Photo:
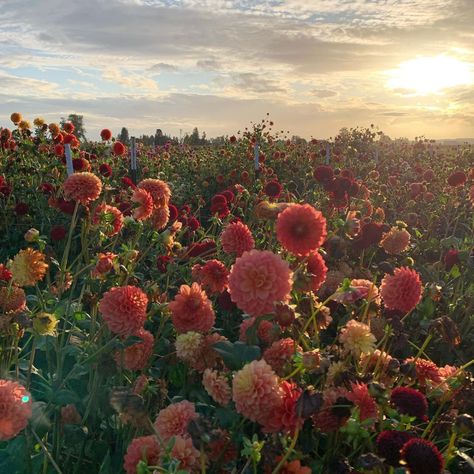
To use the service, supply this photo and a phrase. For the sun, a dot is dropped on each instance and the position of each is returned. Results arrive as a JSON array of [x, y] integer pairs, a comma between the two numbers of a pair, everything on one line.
[[430, 75]]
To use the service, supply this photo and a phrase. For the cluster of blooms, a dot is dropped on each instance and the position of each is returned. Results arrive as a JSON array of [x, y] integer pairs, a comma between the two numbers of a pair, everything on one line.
[[237, 325]]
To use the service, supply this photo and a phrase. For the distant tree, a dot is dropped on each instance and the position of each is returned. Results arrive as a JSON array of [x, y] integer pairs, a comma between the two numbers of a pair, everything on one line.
[[123, 136], [78, 122]]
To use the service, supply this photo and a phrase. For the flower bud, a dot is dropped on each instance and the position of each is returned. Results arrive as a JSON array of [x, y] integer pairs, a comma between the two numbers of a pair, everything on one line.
[[32, 235]]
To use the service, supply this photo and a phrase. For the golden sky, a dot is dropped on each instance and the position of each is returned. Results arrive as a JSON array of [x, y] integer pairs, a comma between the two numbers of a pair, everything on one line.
[[314, 65]]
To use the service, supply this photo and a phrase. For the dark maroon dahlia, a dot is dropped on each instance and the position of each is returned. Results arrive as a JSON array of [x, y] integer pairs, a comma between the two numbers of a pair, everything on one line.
[[389, 443], [422, 457], [409, 401]]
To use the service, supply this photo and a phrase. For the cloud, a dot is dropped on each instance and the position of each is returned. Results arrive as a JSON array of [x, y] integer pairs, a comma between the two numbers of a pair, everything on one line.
[[242, 56]]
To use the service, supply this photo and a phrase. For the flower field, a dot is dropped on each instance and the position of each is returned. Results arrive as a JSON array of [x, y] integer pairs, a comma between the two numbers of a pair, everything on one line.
[[198, 316]]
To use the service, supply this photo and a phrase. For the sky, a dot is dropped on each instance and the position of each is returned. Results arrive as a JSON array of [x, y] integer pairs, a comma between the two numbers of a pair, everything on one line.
[[314, 65]]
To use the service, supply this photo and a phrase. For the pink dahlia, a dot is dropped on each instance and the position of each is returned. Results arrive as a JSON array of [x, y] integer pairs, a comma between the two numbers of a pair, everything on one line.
[[402, 290], [15, 409], [255, 391], [301, 229], [184, 451], [257, 280], [213, 276], [216, 386], [145, 448], [124, 309], [191, 310], [237, 239], [284, 416], [136, 356], [174, 419]]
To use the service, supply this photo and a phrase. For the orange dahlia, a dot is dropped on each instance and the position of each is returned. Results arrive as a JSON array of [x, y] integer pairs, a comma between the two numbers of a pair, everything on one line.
[[301, 229], [145, 204], [395, 241], [174, 419], [136, 356], [237, 239], [124, 309], [15, 409], [82, 187], [12, 299], [213, 276], [257, 280], [361, 398], [28, 267], [402, 290], [110, 218], [191, 310], [159, 190], [160, 217]]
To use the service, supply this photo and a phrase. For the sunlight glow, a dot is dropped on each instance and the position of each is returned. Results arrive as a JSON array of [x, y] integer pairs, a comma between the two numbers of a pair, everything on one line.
[[430, 75]]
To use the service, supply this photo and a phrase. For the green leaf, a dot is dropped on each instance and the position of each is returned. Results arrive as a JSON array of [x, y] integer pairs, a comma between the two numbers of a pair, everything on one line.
[[236, 355]]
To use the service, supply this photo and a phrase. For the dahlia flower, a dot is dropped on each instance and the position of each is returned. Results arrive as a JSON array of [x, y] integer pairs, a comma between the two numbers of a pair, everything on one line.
[[357, 338], [15, 409], [361, 398], [402, 290], [108, 217], [146, 448], [279, 355], [160, 217], [257, 280], [145, 204], [395, 241], [82, 187], [136, 356], [389, 443], [409, 401], [317, 269], [255, 391], [12, 299], [28, 267], [213, 276], [301, 229], [159, 190], [422, 457], [174, 419], [237, 239], [216, 386], [124, 309], [184, 451], [191, 310]]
